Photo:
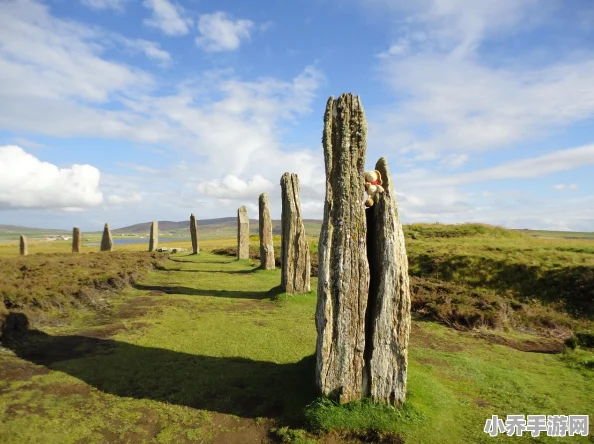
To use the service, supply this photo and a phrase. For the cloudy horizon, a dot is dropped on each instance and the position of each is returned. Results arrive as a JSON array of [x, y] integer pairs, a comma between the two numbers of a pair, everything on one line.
[[127, 111]]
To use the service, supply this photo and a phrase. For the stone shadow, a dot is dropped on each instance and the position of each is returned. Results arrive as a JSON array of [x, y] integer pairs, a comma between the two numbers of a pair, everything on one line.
[[239, 294], [229, 385]]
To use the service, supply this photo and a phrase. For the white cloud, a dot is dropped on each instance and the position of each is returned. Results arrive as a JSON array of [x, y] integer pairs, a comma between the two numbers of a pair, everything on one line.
[[454, 160], [563, 187], [31, 144], [232, 187], [43, 58], [167, 17], [116, 5], [27, 182], [553, 162], [452, 97], [117, 199], [151, 50], [219, 32]]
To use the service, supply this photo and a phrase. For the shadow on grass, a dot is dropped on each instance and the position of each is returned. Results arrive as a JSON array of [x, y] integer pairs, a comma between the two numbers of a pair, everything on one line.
[[238, 294], [209, 271], [230, 261], [233, 385]]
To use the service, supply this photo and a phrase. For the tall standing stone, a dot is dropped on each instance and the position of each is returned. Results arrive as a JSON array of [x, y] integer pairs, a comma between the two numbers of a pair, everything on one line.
[[388, 306], [194, 234], [343, 274], [106, 240], [154, 236], [295, 261], [266, 245], [243, 233], [24, 245], [76, 240]]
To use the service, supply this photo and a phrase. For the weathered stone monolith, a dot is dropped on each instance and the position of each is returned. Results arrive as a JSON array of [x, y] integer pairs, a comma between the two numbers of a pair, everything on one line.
[[106, 240], [295, 261], [266, 245], [388, 306], [76, 240], [243, 233], [343, 273], [154, 236], [363, 310], [24, 245], [194, 234]]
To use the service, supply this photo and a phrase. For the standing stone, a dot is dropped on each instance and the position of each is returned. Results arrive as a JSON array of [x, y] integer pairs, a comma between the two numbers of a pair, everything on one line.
[[76, 240], [154, 239], [295, 262], [343, 275], [194, 234], [266, 245], [24, 246], [243, 233], [388, 306], [106, 240]]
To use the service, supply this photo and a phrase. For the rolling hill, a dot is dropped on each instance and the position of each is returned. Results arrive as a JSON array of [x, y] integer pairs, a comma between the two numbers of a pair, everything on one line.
[[212, 228]]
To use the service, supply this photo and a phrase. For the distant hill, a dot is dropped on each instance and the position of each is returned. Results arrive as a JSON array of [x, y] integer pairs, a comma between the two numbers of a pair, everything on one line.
[[212, 228], [10, 232]]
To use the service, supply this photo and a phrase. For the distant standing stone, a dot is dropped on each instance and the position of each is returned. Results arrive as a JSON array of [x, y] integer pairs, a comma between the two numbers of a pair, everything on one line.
[[24, 247], [295, 261], [106, 240], [154, 239], [266, 245], [194, 234], [343, 273], [243, 233], [76, 240]]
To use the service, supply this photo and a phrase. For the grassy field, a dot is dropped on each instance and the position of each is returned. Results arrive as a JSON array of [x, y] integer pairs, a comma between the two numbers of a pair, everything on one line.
[[182, 348]]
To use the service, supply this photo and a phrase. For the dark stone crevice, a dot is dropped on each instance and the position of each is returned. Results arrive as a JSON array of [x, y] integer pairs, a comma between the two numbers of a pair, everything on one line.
[[371, 311]]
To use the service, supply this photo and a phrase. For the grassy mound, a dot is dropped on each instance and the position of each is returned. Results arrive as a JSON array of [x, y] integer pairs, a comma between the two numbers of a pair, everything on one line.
[[480, 276], [46, 285]]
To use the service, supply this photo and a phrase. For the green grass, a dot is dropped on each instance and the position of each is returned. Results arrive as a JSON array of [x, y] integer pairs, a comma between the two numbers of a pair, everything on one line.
[[206, 348]]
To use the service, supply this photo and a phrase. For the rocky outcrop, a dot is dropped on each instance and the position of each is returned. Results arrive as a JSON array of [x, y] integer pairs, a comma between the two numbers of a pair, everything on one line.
[[265, 225], [194, 234], [388, 306], [343, 273], [24, 245], [76, 240], [243, 233], [295, 261], [154, 236], [106, 240]]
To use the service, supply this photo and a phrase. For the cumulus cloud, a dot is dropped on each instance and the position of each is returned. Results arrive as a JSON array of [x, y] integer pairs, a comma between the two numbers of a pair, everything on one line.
[[167, 17], [232, 187], [219, 32], [27, 182]]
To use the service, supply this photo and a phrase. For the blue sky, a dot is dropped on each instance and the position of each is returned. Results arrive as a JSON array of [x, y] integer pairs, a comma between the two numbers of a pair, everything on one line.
[[126, 111]]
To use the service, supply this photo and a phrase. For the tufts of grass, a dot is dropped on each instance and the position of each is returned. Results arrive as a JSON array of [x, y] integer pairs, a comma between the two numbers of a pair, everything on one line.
[[325, 415]]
